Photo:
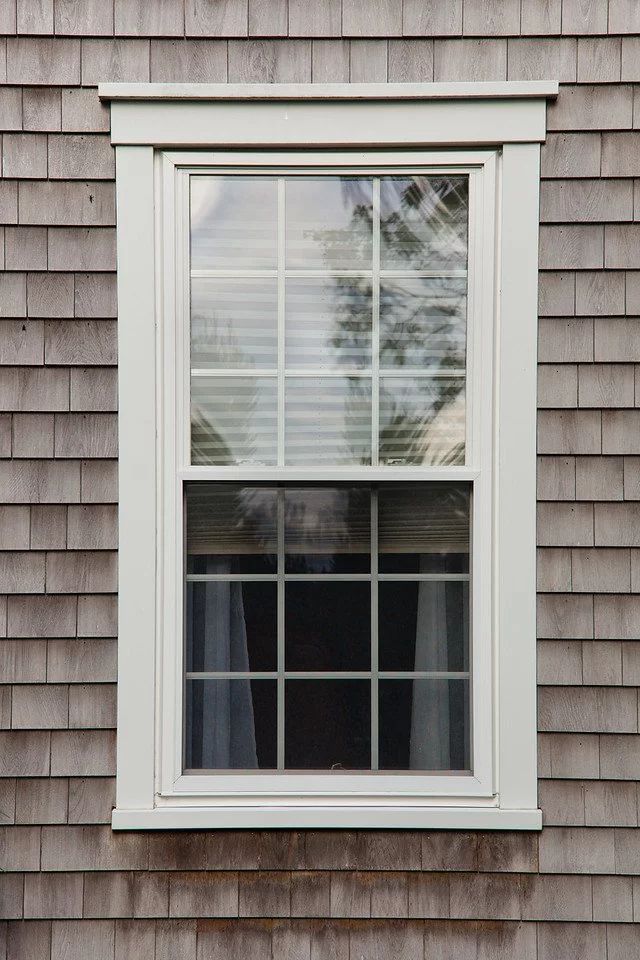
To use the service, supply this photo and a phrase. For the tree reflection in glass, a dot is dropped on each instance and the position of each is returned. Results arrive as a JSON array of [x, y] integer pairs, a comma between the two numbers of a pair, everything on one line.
[[329, 319], [233, 420], [423, 230], [329, 300], [423, 222]]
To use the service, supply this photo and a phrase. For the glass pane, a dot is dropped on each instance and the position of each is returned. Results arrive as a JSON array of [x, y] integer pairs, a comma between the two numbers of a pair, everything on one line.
[[233, 223], [233, 420], [328, 724], [422, 420], [423, 625], [423, 323], [231, 528], [231, 626], [328, 626], [327, 530], [328, 223], [230, 725], [328, 420], [328, 323], [424, 528], [423, 222], [233, 323], [424, 725]]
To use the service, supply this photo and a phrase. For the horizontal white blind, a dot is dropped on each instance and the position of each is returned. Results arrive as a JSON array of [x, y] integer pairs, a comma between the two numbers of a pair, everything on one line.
[[233, 519]]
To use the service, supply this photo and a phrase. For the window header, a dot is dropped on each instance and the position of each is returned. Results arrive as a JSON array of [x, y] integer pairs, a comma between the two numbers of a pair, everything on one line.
[[520, 89], [328, 115]]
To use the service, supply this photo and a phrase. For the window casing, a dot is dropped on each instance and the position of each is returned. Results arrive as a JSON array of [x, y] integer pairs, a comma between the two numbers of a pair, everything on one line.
[[494, 782]]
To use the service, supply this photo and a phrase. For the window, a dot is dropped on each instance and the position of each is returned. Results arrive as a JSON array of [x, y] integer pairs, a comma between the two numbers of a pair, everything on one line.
[[327, 627], [327, 460], [328, 607]]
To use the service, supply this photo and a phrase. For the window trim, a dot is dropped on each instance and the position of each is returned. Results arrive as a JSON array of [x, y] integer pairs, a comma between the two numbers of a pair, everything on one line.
[[275, 118]]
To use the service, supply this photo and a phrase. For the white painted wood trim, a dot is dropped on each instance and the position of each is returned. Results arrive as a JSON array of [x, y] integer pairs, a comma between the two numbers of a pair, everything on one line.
[[330, 817], [515, 452], [272, 123], [518, 89], [515, 124], [136, 477], [388, 788], [173, 311], [336, 159]]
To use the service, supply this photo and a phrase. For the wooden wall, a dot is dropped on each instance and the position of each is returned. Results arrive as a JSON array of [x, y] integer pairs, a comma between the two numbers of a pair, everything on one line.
[[72, 889]]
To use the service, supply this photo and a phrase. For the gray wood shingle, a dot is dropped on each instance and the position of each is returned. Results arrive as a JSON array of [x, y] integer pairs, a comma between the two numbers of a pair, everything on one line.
[[57, 392]]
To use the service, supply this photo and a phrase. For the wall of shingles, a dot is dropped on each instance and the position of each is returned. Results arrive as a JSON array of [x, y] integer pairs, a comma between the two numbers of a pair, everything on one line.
[[70, 888]]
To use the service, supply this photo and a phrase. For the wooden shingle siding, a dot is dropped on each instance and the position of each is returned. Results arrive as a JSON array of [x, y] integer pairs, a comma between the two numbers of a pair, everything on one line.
[[174, 61], [70, 887]]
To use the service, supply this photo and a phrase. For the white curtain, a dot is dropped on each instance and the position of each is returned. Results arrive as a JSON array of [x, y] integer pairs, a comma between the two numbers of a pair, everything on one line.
[[430, 744], [433, 742], [226, 717]]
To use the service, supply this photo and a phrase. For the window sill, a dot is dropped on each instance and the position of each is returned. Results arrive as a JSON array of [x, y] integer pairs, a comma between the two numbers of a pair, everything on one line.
[[332, 817]]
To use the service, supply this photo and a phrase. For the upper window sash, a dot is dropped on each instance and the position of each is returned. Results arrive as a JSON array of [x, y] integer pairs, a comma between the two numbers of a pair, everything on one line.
[[328, 318], [480, 167]]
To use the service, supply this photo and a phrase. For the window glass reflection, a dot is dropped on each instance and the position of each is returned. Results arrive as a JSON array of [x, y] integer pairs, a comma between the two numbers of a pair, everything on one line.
[[230, 528], [328, 323], [328, 420], [328, 223], [424, 528], [233, 420], [233, 323], [423, 323], [233, 223], [422, 420], [327, 529], [329, 309], [289, 304], [423, 222]]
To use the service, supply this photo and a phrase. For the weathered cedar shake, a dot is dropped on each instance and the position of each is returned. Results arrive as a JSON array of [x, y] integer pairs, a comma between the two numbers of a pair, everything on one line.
[[70, 887]]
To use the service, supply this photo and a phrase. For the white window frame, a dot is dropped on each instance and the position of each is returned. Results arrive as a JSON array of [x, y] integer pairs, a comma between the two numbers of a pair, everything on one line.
[[491, 131], [236, 788]]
